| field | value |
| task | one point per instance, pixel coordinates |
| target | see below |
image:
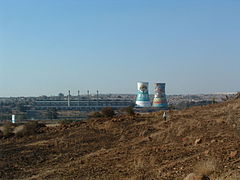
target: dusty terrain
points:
(139, 147)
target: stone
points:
(233, 154)
(198, 141)
(194, 176)
(206, 152)
(213, 141)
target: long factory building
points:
(84, 105)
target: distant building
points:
(83, 104)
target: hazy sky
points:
(50, 46)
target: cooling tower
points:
(143, 99)
(160, 99)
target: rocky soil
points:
(204, 140)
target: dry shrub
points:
(29, 128)
(138, 164)
(233, 106)
(105, 112)
(66, 122)
(182, 130)
(7, 129)
(233, 118)
(19, 130)
(194, 176)
(147, 131)
(108, 112)
(202, 170)
(95, 114)
(220, 120)
(108, 125)
(184, 127)
(128, 110)
(140, 168)
(206, 167)
(145, 168)
(231, 175)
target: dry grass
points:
(233, 115)
(29, 128)
(19, 130)
(7, 129)
(230, 176)
(206, 167)
(125, 147)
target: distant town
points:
(77, 106)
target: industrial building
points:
(94, 103)
(143, 99)
(82, 103)
(160, 99)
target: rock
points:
(194, 176)
(198, 141)
(204, 177)
(206, 152)
(233, 154)
(213, 141)
(150, 138)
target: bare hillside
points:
(204, 139)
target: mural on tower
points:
(160, 99)
(143, 99)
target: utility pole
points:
(78, 98)
(69, 98)
(97, 98)
(88, 94)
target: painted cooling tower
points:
(143, 99)
(160, 99)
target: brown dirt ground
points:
(139, 147)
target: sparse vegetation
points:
(95, 114)
(128, 110)
(125, 147)
(108, 112)
(29, 128)
(206, 168)
(7, 129)
(233, 119)
(66, 121)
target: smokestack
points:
(69, 98)
(143, 99)
(97, 98)
(88, 94)
(78, 98)
(160, 99)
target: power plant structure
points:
(160, 99)
(87, 102)
(93, 102)
(69, 96)
(143, 99)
